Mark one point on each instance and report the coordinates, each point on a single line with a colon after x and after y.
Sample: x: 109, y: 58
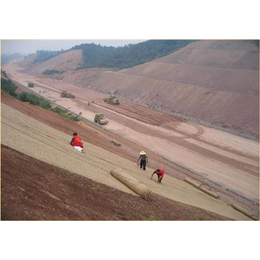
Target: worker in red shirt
x: 76, y: 142
x: 160, y: 174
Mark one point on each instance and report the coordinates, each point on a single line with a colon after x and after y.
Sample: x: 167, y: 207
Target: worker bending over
x: 143, y: 160
x: 160, y: 174
x: 76, y: 142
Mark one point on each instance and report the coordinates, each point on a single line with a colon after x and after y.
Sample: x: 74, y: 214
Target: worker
x: 76, y: 142
x: 143, y: 160
x: 160, y: 174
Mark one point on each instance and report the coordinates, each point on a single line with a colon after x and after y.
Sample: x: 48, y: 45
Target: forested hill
x: 129, y: 55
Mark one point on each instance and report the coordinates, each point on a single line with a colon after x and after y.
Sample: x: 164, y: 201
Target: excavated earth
x: 219, y: 160
x: 220, y: 75
x: 216, y: 82
x: 45, y: 138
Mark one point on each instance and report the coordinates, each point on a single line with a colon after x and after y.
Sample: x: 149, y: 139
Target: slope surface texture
x: 46, y: 144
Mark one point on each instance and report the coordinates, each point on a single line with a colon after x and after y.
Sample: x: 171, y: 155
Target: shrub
x: 65, y: 114
x: 34, y: 100
x: 50, y: 72
x: 8, y: 86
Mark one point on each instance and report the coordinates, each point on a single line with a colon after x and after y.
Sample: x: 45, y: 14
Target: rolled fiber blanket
x: 132, y: 183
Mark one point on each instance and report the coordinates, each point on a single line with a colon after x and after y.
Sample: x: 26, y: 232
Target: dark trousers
x: 159, y: 178
x: 143, y: 164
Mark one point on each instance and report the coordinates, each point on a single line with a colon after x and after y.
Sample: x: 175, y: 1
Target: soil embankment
x: 34, y: 190
x: 221, y: 157
x: 46, y: 144
x: 224, y: 162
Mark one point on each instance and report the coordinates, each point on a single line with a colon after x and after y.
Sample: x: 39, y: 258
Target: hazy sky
x: 31, y: 46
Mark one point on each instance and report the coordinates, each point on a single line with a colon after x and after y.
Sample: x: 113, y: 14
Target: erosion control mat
x: 34, y: 190
x: 97, y: 136
x: 51, y: 146
x: 132, y: 183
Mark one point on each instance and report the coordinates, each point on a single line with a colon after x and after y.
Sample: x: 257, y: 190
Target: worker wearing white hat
x: 143, y: 160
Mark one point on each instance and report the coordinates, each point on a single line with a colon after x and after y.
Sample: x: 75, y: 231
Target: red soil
x: 34, y: 190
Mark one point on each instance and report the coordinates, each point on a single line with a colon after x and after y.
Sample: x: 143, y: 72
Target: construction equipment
x: 30, y: 85
x: 100, y: 119
x: 112, y: 100
x: 66, y: 94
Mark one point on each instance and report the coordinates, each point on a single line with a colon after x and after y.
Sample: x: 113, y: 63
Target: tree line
x: 129, y: 55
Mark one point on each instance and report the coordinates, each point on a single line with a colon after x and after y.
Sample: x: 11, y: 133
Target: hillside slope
x: 51, y: 196
x: 212, y: 81
x: 44, y: 143
x: 66, y: 61
x: 129, y: 55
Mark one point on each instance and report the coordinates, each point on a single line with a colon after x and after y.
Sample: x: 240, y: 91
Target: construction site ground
x: 34, y: 190
x: 42, y: 142
x: 225, y: 163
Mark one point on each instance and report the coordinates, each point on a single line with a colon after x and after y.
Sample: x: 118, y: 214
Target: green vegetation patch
x: 65, y: 113
x: 8, y: 86
x: 34, y: 100
x: 50, y: 72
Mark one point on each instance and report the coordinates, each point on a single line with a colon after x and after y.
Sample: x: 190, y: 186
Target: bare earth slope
x: 34, y: 190
x: 67, y: 61
x: 44, y: 143
x: 129, y: 150
x: 212, y: 81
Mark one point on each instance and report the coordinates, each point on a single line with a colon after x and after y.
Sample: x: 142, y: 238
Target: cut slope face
x: 230, y: 161
x: 129, y: 150
x: 44, y: 143
x: 67, y: 61
x: 212, y: 81
x: 224, y: 54
x: 28, y: 61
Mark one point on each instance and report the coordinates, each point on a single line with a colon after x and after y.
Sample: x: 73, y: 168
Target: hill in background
x: 97, y: 56
x: 129, y: 55
x: 212, y: 81
x: 216, y: 82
